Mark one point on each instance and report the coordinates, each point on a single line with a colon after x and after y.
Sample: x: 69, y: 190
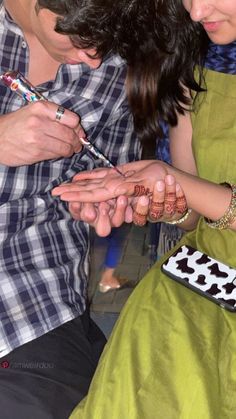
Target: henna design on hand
x: 156, y: 210
x: 140, y: 190
x: 170, y: 203
x: 139, y: 219
x: 181, y: 205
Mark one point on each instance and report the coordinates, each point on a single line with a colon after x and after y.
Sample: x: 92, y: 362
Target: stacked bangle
x: 230, y: 214
x: 182, y: 219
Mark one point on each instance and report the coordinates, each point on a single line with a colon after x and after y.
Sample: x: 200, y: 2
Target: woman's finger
x: 170, y: 196
x: 129, y: 214
x: 156, y: 209
x: 181, y: 203
x: 141, y: 211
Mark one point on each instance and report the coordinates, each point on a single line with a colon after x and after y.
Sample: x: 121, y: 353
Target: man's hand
x: 32, y: 134
x: 104, y: 215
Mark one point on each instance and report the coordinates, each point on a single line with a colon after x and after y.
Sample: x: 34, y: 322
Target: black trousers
x: 46, y: 378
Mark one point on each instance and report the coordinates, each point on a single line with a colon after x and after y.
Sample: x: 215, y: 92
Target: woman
x: 172, y: 353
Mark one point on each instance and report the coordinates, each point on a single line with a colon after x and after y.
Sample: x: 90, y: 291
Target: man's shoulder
x: 114, y: 60
x: 112, y: 69
x: 2, y: 8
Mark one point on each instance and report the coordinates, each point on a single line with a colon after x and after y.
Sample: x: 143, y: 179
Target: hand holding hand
x: 104, y: 215
x: 168, y: 203
x: 100, y: 185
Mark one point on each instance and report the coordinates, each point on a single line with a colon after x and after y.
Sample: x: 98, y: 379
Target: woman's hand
x: 100, y: 185
x: 168, y: 203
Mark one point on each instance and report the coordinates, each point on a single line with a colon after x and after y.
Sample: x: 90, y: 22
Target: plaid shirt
x: 43, y: 251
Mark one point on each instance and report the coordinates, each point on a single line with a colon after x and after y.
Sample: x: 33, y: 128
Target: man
x: 49, y: 347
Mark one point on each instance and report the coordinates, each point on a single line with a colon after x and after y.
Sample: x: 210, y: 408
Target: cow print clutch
x: 203, y: 274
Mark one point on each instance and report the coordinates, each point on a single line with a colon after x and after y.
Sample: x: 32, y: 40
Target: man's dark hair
x: 88, y: 23
x: 157, y: 38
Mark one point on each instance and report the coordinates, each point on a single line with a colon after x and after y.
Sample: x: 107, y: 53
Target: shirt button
x: 23, y: 44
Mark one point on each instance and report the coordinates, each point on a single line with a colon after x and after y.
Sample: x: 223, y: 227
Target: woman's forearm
x: 206, y: 198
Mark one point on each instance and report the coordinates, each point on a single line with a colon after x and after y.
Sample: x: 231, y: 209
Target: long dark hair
x: 162, y: 51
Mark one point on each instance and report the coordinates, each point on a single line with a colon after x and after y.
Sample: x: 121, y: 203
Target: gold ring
x: 59, y: 113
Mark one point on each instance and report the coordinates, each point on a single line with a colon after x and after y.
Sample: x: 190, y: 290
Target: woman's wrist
x: 182, y: 219
x: 229, y: 216
x: 206, y: 198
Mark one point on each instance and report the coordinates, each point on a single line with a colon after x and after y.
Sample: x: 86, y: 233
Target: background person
x: 109, y: 279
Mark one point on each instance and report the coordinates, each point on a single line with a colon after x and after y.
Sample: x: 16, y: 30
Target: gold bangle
x: 180, y: 220
x: 230, y: 214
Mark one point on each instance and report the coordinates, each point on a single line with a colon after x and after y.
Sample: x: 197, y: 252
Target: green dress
x: 172, y: 354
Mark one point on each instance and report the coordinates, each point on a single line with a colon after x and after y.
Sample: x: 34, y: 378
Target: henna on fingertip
x: 170, y: 203
x: 139, y: 219
x: 181, y: 204
x: 170, y: 196
x: 156, y: 211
